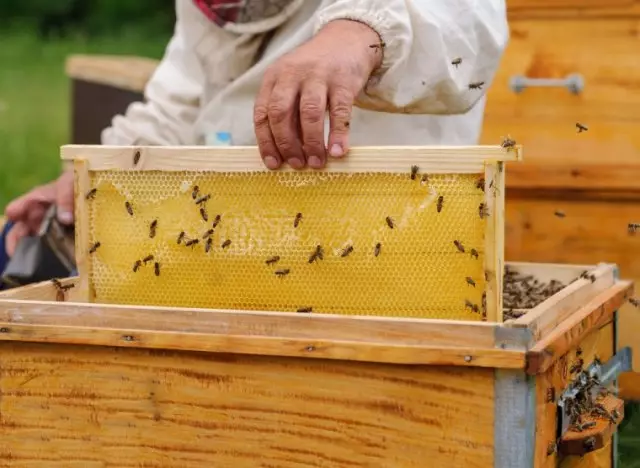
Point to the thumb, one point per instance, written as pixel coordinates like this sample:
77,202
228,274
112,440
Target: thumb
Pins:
64,198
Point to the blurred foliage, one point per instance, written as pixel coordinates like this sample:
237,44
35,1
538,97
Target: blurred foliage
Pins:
60,17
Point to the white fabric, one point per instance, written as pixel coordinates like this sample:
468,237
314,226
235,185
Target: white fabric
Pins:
207,80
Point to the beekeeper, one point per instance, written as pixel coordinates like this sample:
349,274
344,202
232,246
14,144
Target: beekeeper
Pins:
268,72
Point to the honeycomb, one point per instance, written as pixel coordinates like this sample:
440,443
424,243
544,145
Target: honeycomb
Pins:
404,266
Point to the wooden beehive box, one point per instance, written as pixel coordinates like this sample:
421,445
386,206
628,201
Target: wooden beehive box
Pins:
91,383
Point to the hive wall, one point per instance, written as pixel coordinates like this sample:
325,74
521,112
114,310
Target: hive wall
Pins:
391,244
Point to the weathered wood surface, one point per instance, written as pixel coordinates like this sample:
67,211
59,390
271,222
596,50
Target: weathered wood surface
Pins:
599,343
95,406
120,71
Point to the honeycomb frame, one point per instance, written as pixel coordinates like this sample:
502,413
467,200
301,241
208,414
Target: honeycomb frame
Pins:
127,173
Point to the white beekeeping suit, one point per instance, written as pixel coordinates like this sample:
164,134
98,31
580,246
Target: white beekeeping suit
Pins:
212,69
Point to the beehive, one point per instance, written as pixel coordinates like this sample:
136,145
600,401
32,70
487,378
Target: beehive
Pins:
403,232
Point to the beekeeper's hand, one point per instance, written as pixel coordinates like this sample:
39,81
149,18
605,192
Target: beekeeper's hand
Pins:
324,74
28,211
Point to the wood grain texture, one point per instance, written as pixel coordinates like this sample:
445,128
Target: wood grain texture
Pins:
278,334
82,185
431,159
599,343
44,291
125,72
494,240
543,119
534,234
571,9
93,406
594,314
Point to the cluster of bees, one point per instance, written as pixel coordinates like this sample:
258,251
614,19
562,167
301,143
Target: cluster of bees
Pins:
587,401
524,292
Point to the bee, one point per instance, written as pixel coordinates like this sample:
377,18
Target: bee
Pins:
470,281
508,143
634,302
471,306
581,127
424,180
476,85
208,245
414,172
459,246
192,242
203,199
586,275
297,220
136,158
318,254
147,259
376,250
474,253
203,213
282,273
456,61
91,193
181,236
584,426
94,247
483,211
216,221
137,265
484,305
272,260
440,202
156,268
559,213
347,250
633,228
616,414
379,46
152,228
226,243
194,194
305,310
60,287
208,234
389,222
129,208
551,395
577,366
480,183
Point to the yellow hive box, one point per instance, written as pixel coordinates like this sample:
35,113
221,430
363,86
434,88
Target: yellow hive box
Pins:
401,231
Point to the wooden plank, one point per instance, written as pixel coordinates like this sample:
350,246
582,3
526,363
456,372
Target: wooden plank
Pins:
93,406
83,242
431,159
629,385
494,240
271,333
552,312
551,384
572,9
120,71
546,272
44,291
594,314
543,119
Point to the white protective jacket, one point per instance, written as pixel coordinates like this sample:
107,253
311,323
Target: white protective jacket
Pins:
210,75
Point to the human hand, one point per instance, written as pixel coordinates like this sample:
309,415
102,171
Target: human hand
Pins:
28,211
326,73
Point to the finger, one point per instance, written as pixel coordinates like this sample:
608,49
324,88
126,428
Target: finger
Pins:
33,219
64,198
17,232
340,106
20,207
313,107
283,120
267,147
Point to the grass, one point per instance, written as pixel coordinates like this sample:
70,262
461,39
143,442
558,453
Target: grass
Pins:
34,100
34,122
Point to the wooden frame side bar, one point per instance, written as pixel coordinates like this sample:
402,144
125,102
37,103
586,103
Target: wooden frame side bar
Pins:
82,231
430,159
374,339
494,240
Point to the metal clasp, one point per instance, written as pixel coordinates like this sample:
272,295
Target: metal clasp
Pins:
574,83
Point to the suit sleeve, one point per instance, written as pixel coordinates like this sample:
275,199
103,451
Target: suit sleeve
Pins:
172,95
422,38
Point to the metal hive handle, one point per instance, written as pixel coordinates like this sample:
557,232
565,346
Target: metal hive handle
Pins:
574,83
